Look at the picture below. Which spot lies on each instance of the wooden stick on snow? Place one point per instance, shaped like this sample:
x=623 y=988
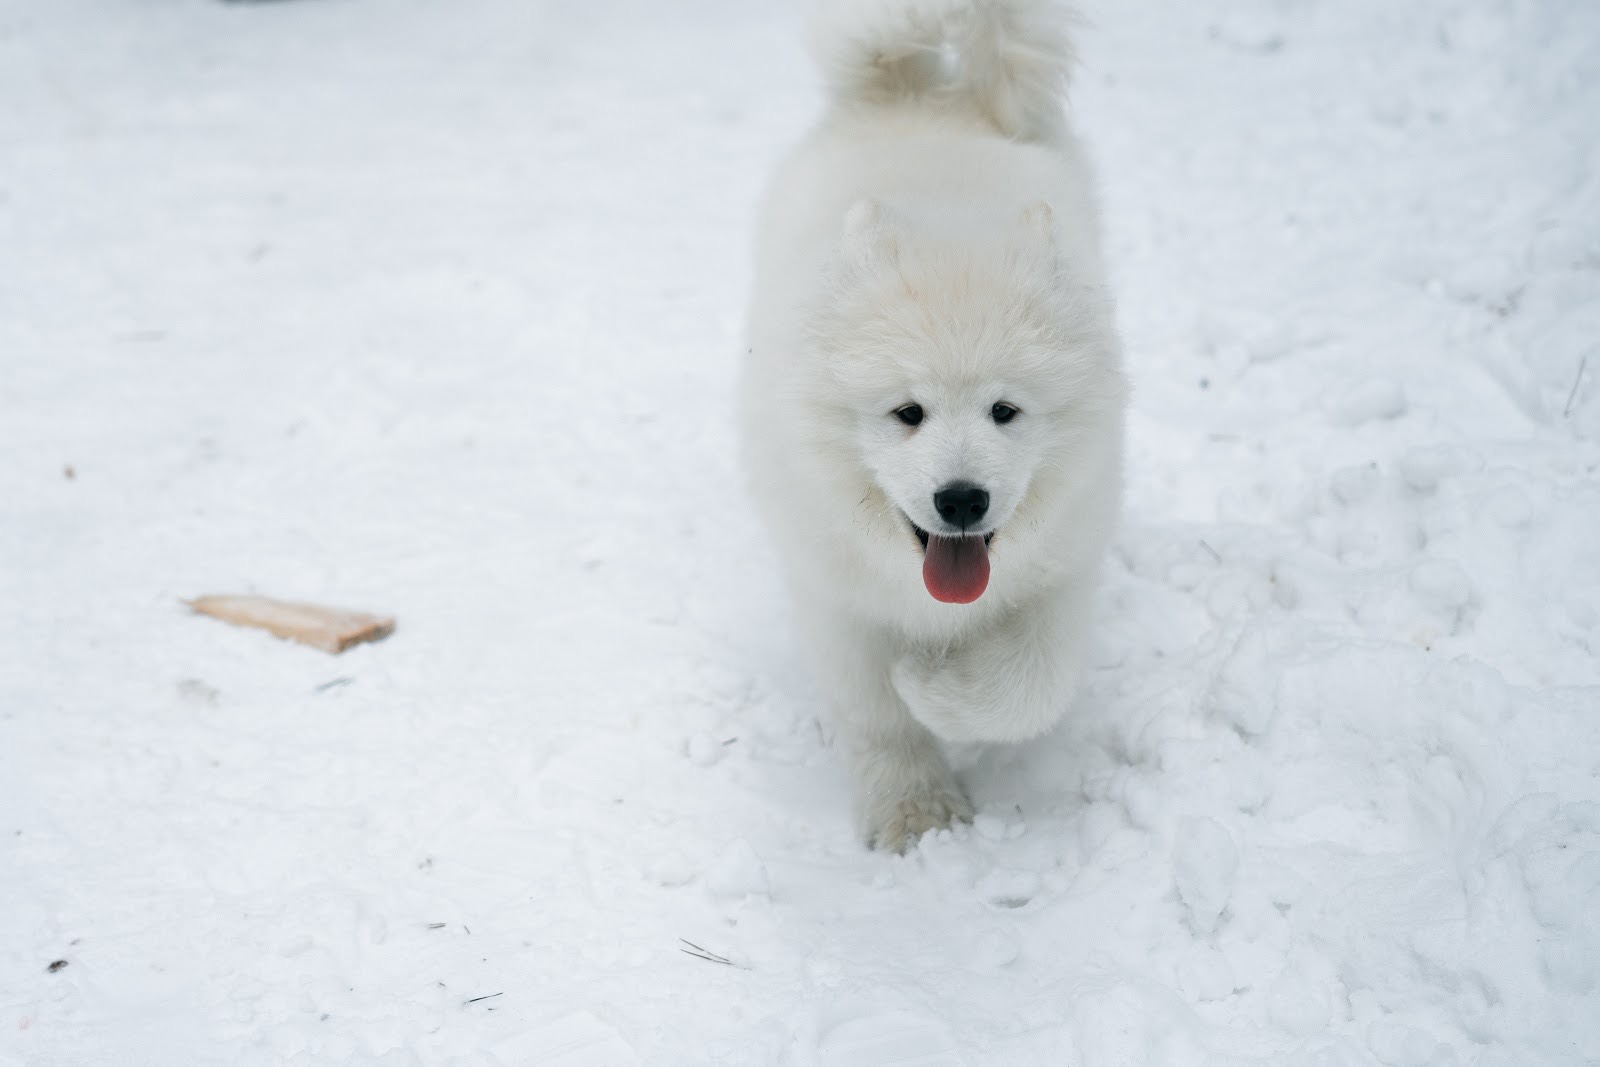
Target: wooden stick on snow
x=330 y=629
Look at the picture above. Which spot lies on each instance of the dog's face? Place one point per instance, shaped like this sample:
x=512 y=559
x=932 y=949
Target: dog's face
x=958 y=364
x=955 y=456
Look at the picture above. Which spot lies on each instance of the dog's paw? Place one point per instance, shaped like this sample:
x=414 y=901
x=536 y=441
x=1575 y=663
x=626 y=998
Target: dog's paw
x=894 y=825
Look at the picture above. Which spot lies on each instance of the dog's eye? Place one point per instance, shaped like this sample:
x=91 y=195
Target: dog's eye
x=1002 y=413
x=911 y=414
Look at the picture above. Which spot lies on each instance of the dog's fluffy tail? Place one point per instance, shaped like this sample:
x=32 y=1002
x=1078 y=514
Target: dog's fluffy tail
x=1008 y=60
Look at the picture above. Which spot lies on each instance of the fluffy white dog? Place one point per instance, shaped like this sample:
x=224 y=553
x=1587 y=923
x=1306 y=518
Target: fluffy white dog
x=933 y=396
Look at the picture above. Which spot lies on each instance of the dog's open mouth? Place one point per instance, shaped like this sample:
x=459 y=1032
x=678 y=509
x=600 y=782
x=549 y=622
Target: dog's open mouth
x=922 y=535
x=955 y=569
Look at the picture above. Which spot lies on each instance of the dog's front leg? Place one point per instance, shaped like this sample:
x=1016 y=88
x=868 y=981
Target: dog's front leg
x=1007 y=683
x=905 y=786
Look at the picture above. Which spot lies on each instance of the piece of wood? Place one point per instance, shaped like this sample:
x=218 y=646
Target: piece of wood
x=330 y=629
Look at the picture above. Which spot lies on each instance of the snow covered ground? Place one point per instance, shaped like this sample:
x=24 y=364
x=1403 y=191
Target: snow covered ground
x=434 y=309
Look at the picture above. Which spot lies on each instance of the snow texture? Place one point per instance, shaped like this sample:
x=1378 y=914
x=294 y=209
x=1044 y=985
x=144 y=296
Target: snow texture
x=433 y=309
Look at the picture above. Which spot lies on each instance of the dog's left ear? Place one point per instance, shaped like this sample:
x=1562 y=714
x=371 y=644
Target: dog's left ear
x=870 y=238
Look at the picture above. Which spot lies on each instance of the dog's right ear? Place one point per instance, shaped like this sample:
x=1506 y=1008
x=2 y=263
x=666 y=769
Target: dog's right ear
x=870 y=236
x=1037 y=226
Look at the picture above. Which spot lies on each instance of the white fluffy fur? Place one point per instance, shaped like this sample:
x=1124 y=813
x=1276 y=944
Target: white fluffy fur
x=933 y=240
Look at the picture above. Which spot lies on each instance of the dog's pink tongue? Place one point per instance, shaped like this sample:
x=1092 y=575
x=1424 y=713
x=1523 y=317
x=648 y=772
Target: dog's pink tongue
x=956 y=569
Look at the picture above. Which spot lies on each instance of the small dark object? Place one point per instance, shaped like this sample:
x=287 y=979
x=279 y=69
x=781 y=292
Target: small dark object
x=68 y=473
x=436 y=926
x=56 y=966
x=489 y=996
x=961 y=504
x=1566 y=409
x=702 y=953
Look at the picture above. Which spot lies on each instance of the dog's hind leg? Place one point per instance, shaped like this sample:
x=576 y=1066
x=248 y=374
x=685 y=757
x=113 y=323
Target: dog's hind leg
x=904 y=784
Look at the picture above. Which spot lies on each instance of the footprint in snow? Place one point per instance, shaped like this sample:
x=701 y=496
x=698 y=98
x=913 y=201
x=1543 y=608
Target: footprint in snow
x=1374 y=400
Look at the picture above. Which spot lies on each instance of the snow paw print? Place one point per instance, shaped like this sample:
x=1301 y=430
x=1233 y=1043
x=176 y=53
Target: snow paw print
x=1009 y=889
x=1205 y=864
x=1373 y=400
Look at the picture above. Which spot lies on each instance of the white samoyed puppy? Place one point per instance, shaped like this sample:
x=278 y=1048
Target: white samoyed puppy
x=933 y=393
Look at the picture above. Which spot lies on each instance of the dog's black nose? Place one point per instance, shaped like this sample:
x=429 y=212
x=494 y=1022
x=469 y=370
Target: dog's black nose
x=961 y=504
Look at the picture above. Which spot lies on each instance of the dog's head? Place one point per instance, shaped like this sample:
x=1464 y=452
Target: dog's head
x=963 y=365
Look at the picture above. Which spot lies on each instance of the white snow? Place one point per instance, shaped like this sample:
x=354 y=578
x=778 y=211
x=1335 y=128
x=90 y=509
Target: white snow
x=433 y=309
x=738 y=872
